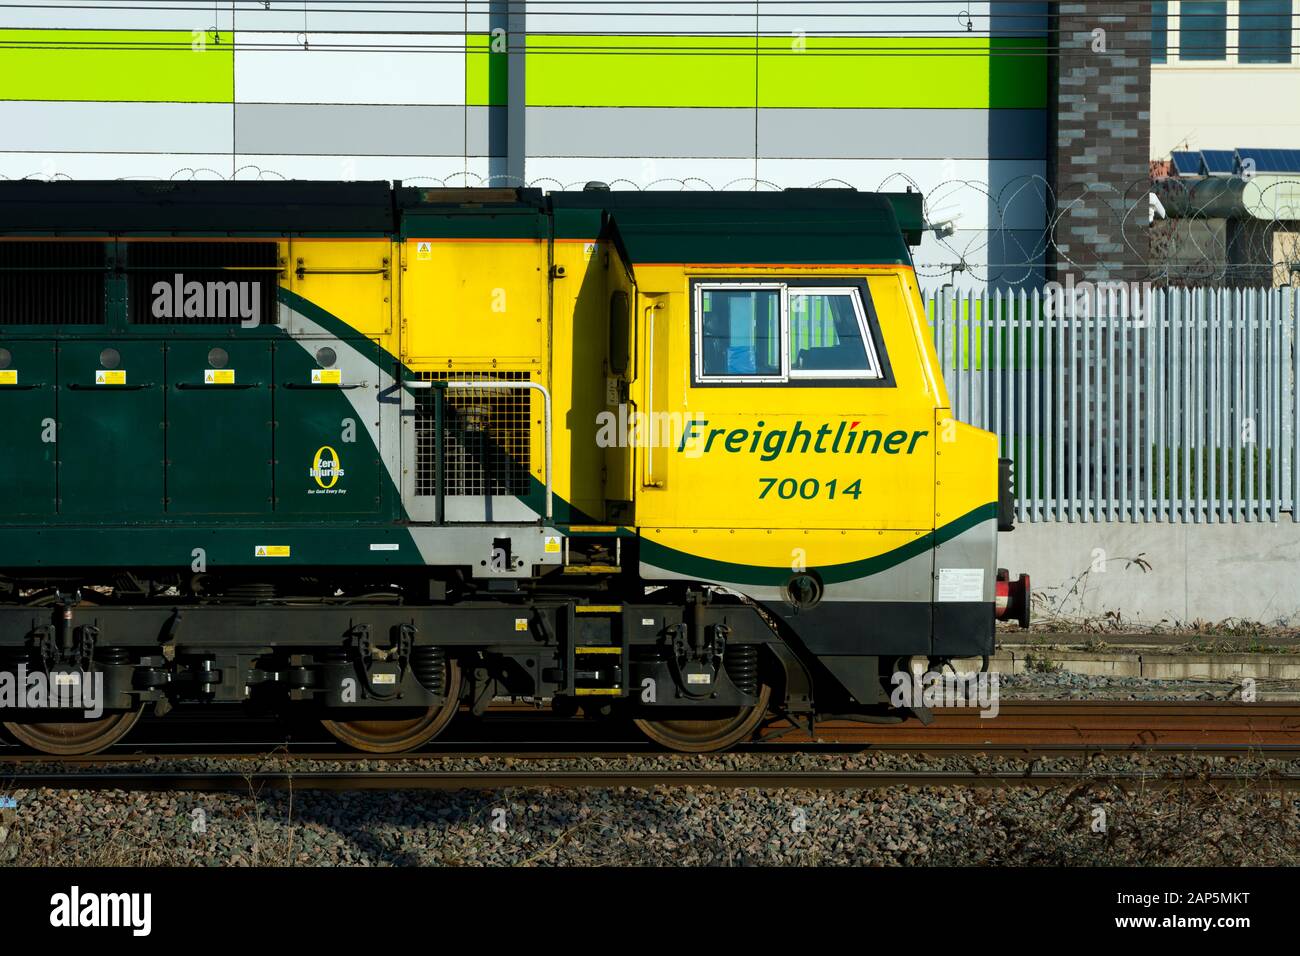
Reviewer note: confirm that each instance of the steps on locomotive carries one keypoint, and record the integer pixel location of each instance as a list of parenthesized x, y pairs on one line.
[(598, 550), (598, 657)]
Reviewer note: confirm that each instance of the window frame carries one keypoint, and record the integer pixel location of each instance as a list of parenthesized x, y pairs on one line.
[(1160, 49), (864, 311), (1283, 52), (1219, 53), (859, 312), (698, 288)]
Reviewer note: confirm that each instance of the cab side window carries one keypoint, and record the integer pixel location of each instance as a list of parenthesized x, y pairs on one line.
[(826, 336), (783, 333), (740, 332)]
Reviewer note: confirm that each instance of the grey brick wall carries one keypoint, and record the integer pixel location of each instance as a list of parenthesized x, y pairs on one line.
[(1099, 105)]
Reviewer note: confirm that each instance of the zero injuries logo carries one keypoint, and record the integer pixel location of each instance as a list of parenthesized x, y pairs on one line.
[(326, 469)]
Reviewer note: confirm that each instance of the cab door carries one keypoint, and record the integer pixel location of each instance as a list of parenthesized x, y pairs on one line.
[(620, 382)]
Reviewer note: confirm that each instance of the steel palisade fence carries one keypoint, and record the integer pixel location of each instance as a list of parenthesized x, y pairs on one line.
[(1132, 404)]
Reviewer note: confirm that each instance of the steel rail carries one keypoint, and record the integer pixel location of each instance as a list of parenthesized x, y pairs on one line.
[(256, 782)]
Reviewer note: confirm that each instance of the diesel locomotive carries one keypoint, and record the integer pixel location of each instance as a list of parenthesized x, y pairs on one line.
[(379, 455)]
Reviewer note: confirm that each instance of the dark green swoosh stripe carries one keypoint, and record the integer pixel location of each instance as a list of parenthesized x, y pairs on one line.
[(687, 565), (695, 566)]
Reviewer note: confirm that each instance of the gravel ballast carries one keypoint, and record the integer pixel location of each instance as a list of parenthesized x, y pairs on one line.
[(1090, 821)]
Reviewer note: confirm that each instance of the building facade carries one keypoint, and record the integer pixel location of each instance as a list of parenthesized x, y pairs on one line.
[(1224, 74), (950, 98)]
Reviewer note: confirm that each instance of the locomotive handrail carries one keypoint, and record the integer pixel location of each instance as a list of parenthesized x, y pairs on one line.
[(217, 386), (332, 386), (302, 271), (502, 386), (107, 387)]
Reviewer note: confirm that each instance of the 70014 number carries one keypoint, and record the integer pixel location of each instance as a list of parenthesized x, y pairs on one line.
[(808, 488)]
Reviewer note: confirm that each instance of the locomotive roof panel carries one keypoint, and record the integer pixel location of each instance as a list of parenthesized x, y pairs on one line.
[(160, 206), (821, 226)]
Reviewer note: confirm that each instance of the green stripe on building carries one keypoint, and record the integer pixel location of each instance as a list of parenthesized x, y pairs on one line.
[(167, 66), (486, 72), (837, 72)]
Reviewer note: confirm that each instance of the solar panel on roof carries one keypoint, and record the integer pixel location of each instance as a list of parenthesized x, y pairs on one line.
[(1186, 163), (1270, 161), (1217, 162)]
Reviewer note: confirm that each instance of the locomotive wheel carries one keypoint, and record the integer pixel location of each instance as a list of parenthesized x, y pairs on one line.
[(397, 735), (701, 736), (74, 738)]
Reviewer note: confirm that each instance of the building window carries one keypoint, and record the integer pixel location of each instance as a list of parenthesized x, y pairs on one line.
[(1159, 32), (1203, 30), (1264, 31)]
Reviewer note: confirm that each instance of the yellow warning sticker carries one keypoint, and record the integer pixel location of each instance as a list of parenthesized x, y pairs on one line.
[(424, 251), (588, 250), (552, 544), (218, 376), (521, 624), (271, 551), (110, 376), (8, 376), (326, 376)]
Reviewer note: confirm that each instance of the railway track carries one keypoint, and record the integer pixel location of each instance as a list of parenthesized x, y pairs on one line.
[(1021, 726), (1023, 729), (255, 782)]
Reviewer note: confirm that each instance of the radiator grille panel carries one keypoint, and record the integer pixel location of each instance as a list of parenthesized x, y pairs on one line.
[(52, 283), (486, 441), (221, 263)]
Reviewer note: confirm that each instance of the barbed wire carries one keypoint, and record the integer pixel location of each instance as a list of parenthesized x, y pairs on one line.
[(1247, 239)]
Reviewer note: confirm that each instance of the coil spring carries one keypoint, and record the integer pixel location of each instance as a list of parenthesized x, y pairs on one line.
[(741, 662), (251, 591), (112, 655), (430, 667)]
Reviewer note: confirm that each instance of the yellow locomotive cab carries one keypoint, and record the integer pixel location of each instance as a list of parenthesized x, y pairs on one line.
[(788, 434)]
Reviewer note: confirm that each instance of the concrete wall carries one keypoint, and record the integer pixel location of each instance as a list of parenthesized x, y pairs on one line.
[(1220, 106), (1208, 572)]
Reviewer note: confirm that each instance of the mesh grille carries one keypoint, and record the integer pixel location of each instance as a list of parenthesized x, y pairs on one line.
[(486, 443), (219, 263), (52, 283)]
